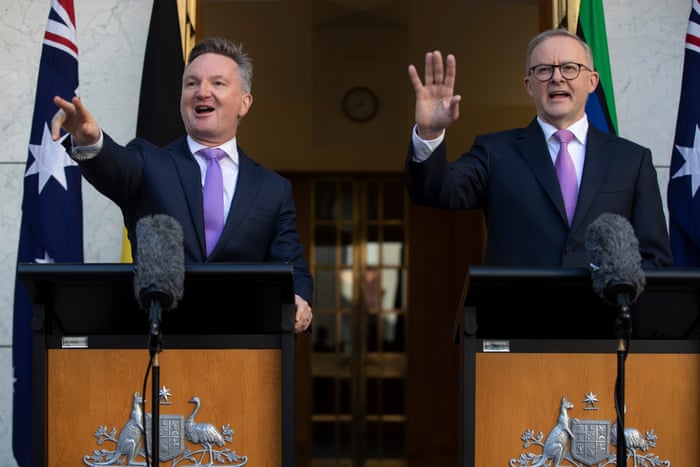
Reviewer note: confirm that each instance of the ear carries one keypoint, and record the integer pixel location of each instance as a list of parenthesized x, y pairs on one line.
[(527, 83), (246, 102), (593, 81)]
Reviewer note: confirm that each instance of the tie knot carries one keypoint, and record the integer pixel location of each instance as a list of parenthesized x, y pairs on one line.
[(212, 153), (564, 136)]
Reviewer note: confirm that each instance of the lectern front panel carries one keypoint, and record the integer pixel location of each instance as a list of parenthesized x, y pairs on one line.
[(238, 404), (520, 408)]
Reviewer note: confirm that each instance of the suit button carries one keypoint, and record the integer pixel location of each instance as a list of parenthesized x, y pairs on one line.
[(568, 250)]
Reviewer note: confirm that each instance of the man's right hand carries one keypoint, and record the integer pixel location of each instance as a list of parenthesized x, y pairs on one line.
[(76, 120), (436, 104)]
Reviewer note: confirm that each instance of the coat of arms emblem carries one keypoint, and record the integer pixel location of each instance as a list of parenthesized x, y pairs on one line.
[(582, 442), (184, 441)]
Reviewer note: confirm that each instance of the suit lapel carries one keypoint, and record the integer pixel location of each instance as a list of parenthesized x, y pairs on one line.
[(533, 149), (191, 180), (595, 166), (249, 179)]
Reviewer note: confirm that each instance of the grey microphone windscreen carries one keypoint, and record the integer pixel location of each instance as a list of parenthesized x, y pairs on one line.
[(613, 255), (160, 261)]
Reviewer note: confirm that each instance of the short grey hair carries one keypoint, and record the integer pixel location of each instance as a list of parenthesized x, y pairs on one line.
[(541, 37), (222, 46)]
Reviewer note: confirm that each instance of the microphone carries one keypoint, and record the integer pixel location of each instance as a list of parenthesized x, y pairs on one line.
[(159, 274), (614, 260)]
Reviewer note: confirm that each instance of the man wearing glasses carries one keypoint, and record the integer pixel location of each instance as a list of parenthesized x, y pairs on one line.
[(515, 175)]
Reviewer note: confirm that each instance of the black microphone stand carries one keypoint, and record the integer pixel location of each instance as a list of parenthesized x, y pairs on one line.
[(623, 332), (155, 345)]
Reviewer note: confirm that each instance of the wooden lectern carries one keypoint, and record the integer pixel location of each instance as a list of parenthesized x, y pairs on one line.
[(539, 367), (226, 366)]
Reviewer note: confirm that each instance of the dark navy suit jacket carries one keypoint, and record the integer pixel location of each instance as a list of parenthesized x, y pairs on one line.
[(143, 179), (511, 177)]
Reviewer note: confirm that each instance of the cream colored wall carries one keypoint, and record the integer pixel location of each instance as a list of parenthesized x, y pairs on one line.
[(286, 128)]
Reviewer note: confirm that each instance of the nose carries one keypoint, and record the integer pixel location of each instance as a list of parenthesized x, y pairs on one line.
[(202, 90), (554, 74)]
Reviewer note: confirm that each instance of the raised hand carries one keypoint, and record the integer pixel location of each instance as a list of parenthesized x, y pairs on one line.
[(437, 106), (75, 119)]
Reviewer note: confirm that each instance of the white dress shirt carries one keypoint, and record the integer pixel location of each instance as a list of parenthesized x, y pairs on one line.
[(229, 168)]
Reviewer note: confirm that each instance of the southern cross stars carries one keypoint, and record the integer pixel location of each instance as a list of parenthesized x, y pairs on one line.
[(50, 160), (692, 162)]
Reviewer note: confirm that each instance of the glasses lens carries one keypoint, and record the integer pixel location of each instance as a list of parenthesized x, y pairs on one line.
[(570, 70), (543, 72)]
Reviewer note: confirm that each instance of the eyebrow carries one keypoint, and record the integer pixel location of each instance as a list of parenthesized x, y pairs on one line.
[(200, 78)]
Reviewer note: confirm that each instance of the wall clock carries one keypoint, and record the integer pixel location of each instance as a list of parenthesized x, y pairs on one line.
[(360, 104)]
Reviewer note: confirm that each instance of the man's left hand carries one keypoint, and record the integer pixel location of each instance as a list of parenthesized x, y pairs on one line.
[(303, 316)]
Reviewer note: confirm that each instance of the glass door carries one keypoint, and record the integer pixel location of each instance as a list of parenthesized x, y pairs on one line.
[(358, 360)]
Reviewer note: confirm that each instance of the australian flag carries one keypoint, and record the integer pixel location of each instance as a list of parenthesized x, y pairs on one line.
[(52, 220), (683, 200)]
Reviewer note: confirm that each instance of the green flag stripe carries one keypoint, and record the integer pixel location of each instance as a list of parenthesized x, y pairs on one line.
[(592, 23)]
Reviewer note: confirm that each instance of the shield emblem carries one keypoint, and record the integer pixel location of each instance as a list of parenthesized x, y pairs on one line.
[(171, 436), (591, 443)]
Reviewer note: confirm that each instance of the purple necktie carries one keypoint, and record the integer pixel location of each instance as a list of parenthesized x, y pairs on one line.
[(213, 197), (566, 173)]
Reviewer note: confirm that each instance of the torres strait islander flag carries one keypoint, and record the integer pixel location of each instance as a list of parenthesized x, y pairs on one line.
[(600, 106)]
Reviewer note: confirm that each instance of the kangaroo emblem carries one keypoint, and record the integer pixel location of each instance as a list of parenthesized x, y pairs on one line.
[(556, 443), (129, 440)]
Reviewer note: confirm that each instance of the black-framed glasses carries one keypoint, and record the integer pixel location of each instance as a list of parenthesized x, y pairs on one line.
[(569, 70)]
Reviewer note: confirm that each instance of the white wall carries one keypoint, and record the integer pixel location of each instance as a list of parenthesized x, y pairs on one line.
[(646, 42), (111, 39), (645, 38)]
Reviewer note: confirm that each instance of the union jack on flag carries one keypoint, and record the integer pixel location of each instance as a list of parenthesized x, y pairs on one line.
[(683, 200), (52, 219)]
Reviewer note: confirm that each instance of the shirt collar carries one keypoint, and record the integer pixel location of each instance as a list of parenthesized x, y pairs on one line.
[(579, 129), (229, 147)]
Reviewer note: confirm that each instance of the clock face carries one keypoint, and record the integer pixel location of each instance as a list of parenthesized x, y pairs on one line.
[(360, 104)]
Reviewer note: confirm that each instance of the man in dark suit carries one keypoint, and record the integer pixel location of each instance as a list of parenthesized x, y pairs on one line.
[(143, 179), (511, 175)]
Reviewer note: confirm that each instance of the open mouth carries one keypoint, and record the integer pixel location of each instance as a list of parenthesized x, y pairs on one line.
[(203, 109), (559, 95)]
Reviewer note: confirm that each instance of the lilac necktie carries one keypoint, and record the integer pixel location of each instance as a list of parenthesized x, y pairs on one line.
[(566, 173), (213, 197)]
